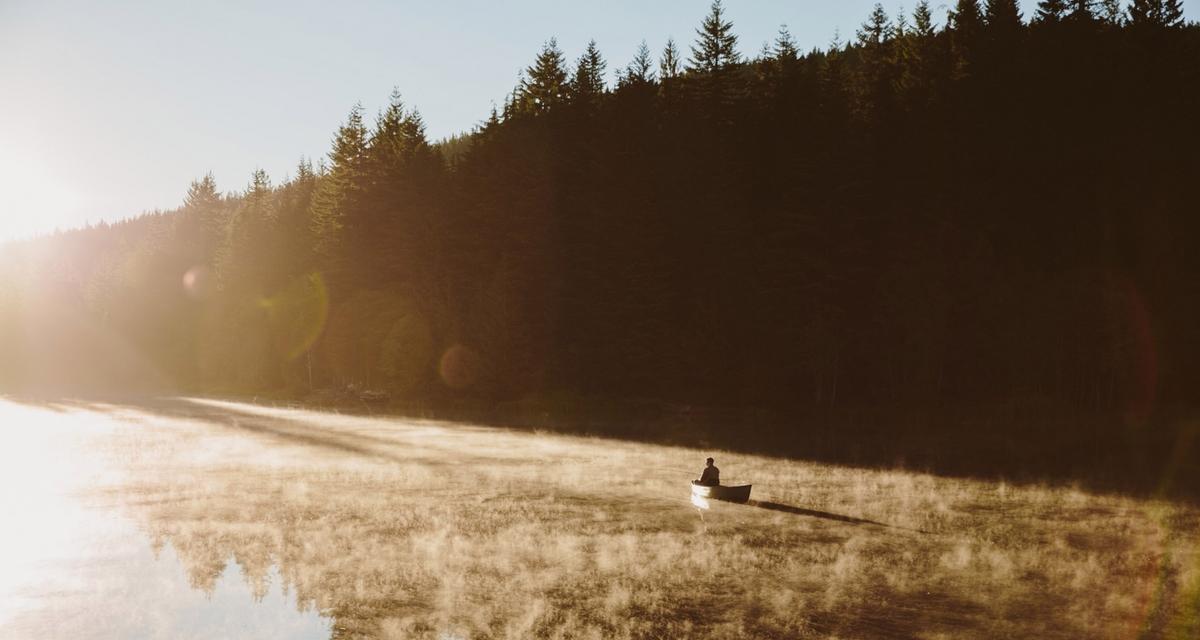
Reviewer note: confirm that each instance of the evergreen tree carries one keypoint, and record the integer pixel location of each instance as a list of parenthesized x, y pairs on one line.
[(1156, 13), (1172, 13), (202, 221), (545, 84), (202, 193), (640, 70), (923, 20), (1081, 11), (715, 49), (1051, 11), (341, 188), (901, 28), (669, 64), (966, 25), (876, 29), (587, 84), (965, 19), (247, 261), (1002, 16), (387, 145), (1111, 12), (1002, 28), (785, 46), (350, 144)]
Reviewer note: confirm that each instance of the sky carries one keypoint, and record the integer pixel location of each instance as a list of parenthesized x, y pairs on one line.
[(109, 109)]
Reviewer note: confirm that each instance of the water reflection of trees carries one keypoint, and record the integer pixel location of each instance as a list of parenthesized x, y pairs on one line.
[(395, 529)]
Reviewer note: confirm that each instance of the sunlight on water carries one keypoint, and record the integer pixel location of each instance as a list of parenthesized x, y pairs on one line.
[(71, 567), (161, 517)]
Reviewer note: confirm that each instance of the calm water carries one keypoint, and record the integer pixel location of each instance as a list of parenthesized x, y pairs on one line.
[(73, 566)]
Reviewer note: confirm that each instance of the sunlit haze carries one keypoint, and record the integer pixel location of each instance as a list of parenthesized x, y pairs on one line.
[(557, 319), (110, 109)]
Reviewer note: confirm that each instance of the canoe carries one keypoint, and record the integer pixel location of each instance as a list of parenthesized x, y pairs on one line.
[(740, 493)]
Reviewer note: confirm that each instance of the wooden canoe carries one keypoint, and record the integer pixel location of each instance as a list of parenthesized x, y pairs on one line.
[(740, 493)]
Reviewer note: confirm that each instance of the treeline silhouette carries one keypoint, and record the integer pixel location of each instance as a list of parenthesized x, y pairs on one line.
[(998, 217)]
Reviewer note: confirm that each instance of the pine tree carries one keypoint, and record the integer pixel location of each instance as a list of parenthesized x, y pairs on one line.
[(545, 85), (923, 20), (965, 19), (341, 187), (397, 142), (1050, 11), (715, 49), (1172, 13), (901, 28), (387, 144), (413, 131), (1111, 12), (1002, 16), (202, 216), (1081, 11), (640, 70), (876, 29), (350, 143), (1156, 13), (785, 46), (587, 84), (247, 262), (202, 193), (668, 64), (295, 235), (905, 56), (1002, 28), (966, 24)]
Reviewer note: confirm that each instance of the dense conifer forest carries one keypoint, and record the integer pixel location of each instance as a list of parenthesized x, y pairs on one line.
[(991, 223)]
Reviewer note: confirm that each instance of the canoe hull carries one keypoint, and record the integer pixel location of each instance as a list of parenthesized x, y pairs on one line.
[(740, 493)]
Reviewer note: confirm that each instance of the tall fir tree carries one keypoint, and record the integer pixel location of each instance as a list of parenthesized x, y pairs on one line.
[(1081, 11), (202, 193), (966, 18), (340, 189), (1002, 27), (587, 83), (876, 29), (1050, 11), (545, 84), (387, 145), (669, 65), (1111, 12), (716, 46), (640, 70), (784, 48), (1172, 13), (1002, 15), (1156, 13), (923, 20), (966, 27), (203, 218)]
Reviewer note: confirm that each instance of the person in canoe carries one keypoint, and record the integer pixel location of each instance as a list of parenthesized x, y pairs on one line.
[(711, 476)]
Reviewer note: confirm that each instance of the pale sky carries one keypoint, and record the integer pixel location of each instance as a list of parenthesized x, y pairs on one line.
[(109, 109)]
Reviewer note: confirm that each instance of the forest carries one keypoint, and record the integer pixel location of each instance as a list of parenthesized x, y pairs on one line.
[(985, 228)]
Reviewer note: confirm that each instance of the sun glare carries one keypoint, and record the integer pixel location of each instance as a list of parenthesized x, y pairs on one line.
[(33, 200)]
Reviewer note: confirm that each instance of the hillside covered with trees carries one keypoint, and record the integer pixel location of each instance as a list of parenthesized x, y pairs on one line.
[(997, 217)]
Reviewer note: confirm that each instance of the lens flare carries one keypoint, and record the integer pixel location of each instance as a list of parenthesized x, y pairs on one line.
[(197, 282), (460, 367), (298, 314)]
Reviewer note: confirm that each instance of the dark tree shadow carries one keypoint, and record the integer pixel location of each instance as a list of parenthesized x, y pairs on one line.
[(1165, 467)]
